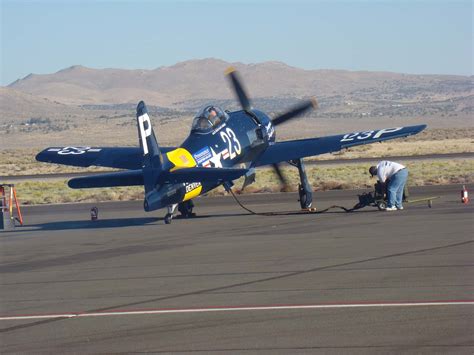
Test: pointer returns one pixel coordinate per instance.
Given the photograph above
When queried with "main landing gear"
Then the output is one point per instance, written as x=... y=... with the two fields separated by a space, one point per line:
x=185 y=209
x=304 y=188
x=304 y=191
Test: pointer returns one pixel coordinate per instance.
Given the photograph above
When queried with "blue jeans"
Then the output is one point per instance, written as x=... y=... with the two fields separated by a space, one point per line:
x=395 y=188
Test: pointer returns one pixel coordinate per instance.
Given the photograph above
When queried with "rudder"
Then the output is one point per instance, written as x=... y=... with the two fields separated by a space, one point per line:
x=152 y=157
x=151 y=150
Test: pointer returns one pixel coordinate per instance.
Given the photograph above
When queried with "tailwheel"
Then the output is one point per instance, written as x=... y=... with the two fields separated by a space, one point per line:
x=186 y=209
x=168 y=218
x=169 y=215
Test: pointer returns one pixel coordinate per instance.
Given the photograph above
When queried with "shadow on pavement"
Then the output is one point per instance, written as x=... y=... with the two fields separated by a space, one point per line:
x=103 y=223
x=153 y=221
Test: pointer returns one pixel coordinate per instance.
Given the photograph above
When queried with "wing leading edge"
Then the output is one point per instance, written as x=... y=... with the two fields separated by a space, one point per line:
x=296 y=149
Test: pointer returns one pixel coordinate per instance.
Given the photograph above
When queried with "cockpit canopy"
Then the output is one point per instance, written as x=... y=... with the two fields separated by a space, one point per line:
x=208 y=119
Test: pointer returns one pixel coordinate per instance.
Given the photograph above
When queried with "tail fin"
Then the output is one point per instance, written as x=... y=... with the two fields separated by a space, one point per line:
x=152 y=157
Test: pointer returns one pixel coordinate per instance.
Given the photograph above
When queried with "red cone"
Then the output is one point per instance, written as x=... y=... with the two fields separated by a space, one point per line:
x=464 y=195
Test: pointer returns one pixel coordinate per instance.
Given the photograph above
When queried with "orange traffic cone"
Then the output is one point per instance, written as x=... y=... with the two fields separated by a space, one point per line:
x=464 y=195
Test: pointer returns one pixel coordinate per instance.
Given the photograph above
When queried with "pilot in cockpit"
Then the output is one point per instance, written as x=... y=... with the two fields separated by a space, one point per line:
x=208 y=119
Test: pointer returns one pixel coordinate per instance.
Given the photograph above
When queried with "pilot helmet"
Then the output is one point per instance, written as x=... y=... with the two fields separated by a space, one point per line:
x=214 y=114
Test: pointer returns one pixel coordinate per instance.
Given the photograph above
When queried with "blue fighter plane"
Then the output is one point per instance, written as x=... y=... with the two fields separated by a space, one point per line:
x=221 y=147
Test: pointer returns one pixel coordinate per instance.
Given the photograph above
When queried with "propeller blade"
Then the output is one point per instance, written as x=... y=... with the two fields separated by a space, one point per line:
x=295 y=111
x=238 y=88
x=280 y=175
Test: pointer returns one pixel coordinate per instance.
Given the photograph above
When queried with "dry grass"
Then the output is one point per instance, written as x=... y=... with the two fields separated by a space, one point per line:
x=41 y=192
x=443 y=134
x=321 y=178
x=404 y=148
x=441 y=141
x=22 y=162
x=356 y=175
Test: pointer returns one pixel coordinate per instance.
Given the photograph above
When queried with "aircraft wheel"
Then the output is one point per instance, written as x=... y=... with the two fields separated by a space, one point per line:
x=168 y=218
x=186 y=209
x=305 y=202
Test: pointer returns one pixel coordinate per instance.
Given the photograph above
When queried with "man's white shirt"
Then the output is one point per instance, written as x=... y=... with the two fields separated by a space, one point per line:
x=386 y=169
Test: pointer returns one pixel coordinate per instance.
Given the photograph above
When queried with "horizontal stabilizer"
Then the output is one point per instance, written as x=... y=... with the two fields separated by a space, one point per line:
x=121 y=178
x=211 y=175
x=135 y=177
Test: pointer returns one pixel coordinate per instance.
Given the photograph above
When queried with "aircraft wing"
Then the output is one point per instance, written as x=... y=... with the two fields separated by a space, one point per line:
x=115 y=157
x=289 y=150
x=135 y=177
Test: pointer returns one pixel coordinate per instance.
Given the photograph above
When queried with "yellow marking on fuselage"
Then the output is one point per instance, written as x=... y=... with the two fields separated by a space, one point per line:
x=181 y=158
x=196 y=191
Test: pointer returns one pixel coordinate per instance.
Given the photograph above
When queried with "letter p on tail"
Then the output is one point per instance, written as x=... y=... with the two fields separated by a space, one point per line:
x=151 y=150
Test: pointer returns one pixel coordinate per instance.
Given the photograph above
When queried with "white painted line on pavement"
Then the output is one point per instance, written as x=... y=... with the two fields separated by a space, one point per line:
x=237 y=308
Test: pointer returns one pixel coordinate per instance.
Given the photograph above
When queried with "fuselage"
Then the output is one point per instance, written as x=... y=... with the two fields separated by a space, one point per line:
x=236 y=142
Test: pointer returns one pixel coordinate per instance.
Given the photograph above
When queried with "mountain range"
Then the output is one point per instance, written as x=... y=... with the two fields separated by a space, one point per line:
x=81 y=105
x=78 y=99
x=183 y=83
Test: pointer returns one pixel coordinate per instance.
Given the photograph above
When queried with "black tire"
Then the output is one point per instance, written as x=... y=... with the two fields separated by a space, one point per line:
x=303 y=198
x=381 y=205
x=168 y=219
x=186 y=209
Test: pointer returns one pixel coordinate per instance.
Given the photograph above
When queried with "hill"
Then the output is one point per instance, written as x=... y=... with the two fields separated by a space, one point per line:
x=187 y=84
x=81 y=105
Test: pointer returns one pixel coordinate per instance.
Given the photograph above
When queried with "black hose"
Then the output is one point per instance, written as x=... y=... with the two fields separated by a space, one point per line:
x=283 y=213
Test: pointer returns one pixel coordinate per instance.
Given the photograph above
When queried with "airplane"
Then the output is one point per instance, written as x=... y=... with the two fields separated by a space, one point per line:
x=221 y=147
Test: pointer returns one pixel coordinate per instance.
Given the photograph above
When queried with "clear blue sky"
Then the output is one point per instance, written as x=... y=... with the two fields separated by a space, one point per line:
x=401 y=36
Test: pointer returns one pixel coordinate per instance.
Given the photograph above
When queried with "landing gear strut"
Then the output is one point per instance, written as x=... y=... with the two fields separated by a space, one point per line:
x=169 y=215
x=304 y=188
x=185 y=208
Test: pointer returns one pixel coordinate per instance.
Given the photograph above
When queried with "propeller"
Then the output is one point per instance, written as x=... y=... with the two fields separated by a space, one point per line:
x=238 y=88
x=281 y=176
x=294 y=112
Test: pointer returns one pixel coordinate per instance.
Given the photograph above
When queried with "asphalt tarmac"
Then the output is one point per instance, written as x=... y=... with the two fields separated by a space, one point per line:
x=366 y=282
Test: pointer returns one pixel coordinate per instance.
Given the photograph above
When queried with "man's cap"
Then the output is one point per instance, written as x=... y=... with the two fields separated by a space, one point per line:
x=373 y=170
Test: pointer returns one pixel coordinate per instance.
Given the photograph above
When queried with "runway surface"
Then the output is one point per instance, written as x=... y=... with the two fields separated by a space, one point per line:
x=228 y=282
